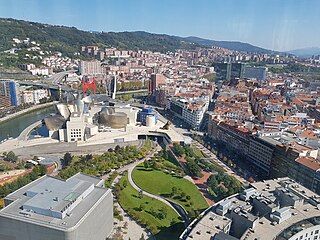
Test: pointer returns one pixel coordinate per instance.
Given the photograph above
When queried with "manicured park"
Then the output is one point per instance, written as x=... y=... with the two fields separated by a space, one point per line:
x=155 y=215
x=170 y=186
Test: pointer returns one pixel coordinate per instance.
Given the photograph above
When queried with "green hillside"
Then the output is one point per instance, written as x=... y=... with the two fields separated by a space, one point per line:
x=70 y=39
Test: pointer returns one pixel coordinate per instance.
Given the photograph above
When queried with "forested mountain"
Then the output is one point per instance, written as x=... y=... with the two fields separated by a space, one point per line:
x=237 y=46
x=70 y=39
x=305 y=52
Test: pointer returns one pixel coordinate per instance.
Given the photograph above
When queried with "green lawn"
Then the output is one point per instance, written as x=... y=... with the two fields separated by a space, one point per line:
x=160 y=183
x=197 y=152
x=131 y=202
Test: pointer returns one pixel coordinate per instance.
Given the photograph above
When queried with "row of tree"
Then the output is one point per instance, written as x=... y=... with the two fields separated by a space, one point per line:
x=191 y=158
x=22 y=181
x=100 y=164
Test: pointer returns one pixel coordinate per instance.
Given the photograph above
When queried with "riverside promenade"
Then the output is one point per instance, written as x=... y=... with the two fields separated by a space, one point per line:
x=33 y=108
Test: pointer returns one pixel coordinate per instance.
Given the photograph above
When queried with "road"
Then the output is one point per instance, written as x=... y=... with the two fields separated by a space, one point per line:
x=56 y=78
x=60 y=148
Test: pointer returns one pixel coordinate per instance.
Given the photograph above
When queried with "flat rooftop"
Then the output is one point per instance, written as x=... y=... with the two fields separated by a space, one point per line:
x=48 y=193
x=209 y=225
x=265 y=230
x=54 y=194
x=305 y=213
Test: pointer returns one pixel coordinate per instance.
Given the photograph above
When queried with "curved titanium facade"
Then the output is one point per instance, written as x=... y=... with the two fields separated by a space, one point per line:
x=109 y=118
x=55 y=122
x=63 y=110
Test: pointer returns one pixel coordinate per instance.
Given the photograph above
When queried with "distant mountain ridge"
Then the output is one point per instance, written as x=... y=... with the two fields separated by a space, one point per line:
x=237 y=46
x=305 y=52
x=70 y=39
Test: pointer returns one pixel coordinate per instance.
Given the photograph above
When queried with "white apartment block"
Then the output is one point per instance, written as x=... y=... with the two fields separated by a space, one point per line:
x=27 y=97
x=188 y=111
x=39 y=94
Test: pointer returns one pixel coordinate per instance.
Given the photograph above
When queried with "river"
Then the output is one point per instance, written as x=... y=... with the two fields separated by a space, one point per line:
x=14 y=126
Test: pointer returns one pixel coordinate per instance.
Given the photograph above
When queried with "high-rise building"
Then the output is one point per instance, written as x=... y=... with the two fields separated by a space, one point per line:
x=223 y=71
x=113 y=87
x=228 y=71
x=90 y=68
x=78 y=208
x=259 y=73
x=155 y=81
x=9 y=93
x=237 y=70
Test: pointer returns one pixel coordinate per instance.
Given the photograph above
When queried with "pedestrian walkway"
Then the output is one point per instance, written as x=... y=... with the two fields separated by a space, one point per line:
x=146 y=193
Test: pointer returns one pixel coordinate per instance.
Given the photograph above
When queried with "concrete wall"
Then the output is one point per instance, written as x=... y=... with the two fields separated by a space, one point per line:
x=98 y=225
x=12 y=229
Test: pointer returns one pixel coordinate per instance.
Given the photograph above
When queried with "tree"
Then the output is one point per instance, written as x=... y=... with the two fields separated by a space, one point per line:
x=89 y=157
x=125 y=183
x=163 y=212
x=193 y=168
x=20 y=165
x=173 y=191
x=178 y=149
x=183 y=195
x=67 y=158
x=142 y=206
x=11 y=157
x=117 y=148
x=146 y=164
x=3 y=167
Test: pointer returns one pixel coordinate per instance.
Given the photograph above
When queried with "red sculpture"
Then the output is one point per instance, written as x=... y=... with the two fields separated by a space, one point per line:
x=86 y=83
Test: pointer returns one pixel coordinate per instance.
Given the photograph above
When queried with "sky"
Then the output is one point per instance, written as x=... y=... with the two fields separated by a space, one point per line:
x=273 y=24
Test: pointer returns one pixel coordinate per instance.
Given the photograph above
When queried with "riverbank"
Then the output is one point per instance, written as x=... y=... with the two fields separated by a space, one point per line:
x=25 y=111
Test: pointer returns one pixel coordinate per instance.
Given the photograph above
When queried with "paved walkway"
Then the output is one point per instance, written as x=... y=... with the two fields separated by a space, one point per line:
x=130 y=229
x=24 y=111
x=25 y=133
x=144 y=192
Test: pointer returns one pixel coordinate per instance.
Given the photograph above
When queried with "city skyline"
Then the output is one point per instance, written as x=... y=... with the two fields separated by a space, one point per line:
x=275 y=25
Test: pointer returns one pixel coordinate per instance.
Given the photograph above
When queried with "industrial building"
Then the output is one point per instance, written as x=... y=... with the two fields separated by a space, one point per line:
x=78 y=208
